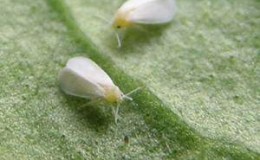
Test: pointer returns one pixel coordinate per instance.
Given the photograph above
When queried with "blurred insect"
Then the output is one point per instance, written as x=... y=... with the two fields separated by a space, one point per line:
x=143 y=12
x=126 y=139
x=82 y=77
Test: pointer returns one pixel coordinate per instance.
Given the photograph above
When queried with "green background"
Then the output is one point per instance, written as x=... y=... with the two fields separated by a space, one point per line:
x=200 y=77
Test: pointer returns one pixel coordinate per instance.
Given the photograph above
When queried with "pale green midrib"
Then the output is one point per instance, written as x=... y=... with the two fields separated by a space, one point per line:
x=199 y=143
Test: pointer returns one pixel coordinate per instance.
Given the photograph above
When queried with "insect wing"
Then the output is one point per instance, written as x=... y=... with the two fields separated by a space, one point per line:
x=84 y=78
x=74 y=84
x=89 y=70
x=132 y=4
x=153 y=12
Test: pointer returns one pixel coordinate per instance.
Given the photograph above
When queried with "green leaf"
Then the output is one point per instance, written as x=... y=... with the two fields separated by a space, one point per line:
x=200 y=76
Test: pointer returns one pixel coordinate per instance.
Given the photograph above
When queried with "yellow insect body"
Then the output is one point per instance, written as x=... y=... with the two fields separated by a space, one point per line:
x=121 y=20
x=113 y=95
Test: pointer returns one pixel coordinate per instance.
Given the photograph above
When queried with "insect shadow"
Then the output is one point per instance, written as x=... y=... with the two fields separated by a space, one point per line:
x=139 y=36
x=96 y=115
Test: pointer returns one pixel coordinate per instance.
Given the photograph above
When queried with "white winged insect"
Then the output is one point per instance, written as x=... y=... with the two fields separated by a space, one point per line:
x=82 y=77
x=143 y=12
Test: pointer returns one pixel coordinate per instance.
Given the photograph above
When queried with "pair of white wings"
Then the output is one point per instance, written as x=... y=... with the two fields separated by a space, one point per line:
x=84 y=78
x=149 y=11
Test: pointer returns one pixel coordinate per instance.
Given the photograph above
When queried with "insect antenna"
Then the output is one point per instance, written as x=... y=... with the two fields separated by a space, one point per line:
x=127 y=95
